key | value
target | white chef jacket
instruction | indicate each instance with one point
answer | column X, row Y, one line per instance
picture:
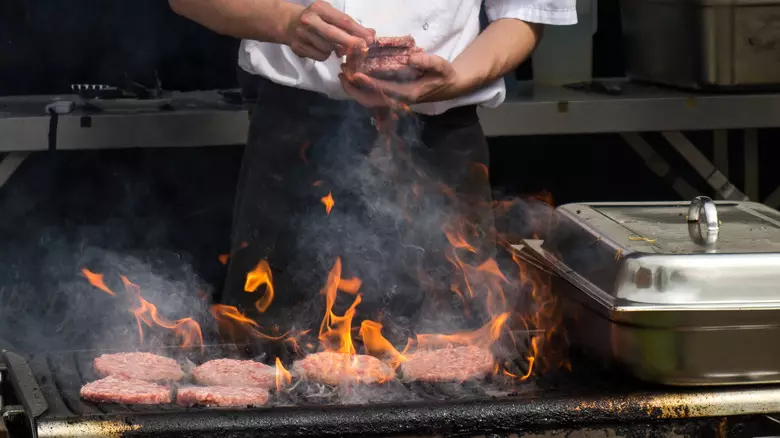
column 442, row 27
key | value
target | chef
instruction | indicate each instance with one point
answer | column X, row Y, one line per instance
column 290, row 58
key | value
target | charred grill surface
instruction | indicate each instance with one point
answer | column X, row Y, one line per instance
column 588, row 398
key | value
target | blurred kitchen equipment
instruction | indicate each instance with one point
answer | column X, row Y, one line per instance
column 703, row 44
column 565, row 53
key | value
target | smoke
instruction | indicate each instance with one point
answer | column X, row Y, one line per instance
column 394, row 198
column 392, row 204
column 111, row 213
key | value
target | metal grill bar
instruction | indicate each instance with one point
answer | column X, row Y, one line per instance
column 586, row 398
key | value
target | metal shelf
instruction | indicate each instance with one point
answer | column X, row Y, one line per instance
column 204, row 119
column 540, row 110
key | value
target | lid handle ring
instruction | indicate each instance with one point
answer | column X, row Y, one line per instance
column 703, row 208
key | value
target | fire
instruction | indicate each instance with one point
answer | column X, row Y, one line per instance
column 261, row 275
column 221, row 311
column 484, row 336
column 336, row 331
column 459, row 242
column 376, row 344
column 350, row 285
column 485, row 280
column 97, row 281
column 186, row 330
column 283, row 377
column 223, row 258
column 328, row 202
column 229, row 318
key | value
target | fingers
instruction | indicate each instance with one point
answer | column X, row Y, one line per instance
column 369, row 98
column 334, row 17
column 317, row 42
column 321, row 30
column 306, row 51
column 395, row 90
column 335, row 26
column 330, row 32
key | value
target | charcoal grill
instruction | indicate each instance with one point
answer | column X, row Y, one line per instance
column 40, row 399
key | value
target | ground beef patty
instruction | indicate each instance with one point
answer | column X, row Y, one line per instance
column 455, row 364
column 333, row 368
column 232, row 372
column 142, row 366
column 397, row 41
column 114, row 389
column 387, row 58
column 221, row 396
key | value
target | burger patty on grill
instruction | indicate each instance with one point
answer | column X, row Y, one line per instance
column 221, row 396
column 142, row 366
column 455, row 364
column 333, row 368
column 114, row 389
column 232, row 372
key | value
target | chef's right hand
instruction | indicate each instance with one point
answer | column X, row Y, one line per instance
column 321, row 29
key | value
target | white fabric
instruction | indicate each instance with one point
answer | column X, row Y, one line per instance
column 443, row 27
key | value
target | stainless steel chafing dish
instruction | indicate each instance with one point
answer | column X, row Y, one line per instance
column 682, row 293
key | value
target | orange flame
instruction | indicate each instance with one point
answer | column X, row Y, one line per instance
column 484, row 336
column 221, row 311
column 187, row 330
column 261, row 275
column 283, row 376
column 328, row 202
column 336, row 331
column 457, row 241
column 376, row 344
column 223, row 258
column 229, row 317
column 97, row 281
column 350, row 285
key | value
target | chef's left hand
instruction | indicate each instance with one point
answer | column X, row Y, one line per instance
column 439, row 81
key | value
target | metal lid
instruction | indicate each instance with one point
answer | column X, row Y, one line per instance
column 699, row 253
column 700, row 226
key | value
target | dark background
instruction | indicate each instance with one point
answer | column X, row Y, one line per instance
column 172, row 207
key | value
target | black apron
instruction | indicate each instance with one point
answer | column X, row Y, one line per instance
column 392, row 195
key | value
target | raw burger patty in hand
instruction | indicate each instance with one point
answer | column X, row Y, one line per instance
column 333, row 368
column 456, row 364
column 232, row 372
column 113, row 389
column 221, row 396
column 142, row 366
column 387, row 58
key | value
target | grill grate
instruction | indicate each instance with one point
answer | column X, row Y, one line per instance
column 72, row 370
column 588, row 399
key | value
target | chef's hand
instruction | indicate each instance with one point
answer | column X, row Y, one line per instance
column 321, row 29
column 439, row 81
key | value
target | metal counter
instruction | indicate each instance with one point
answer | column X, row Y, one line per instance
column 204, row 119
